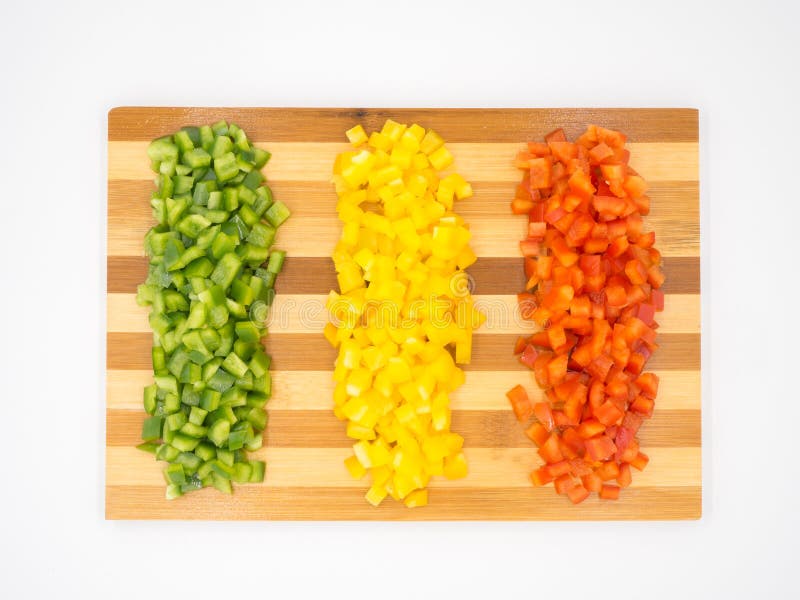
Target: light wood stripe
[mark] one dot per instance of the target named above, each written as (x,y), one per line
(496,231)
(481,429)
(489,468)
(486,161)
(483,390)
(144,123)
(306,313)
(449,504)
(315,275)
(310,352)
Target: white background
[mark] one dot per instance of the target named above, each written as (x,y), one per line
(62,65)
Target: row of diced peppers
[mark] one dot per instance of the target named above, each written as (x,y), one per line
(594,280)
(210,282)
(400,265)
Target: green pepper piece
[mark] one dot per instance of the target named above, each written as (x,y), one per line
(173,491)
(234,365)
(226,340)
(235,309)
(253,179)
(151,428)
(197,316)
(222,145)
(198,353)
(220,127)
(254,255)
(181,184)
(225,456)
(193,133)
(205,451)
(248,215)
(167,383)
(192,225)
(212,296)
(245,382)
(242,293)
(206,137)
(242,472)
(149,447)
(245,350)
(191,373)
(162,149)
(225,166)
(175,421)
(234,397)
(218,432)
(257,471)
(184,443)
(277,214)
(236,440)
(159,358)
(257,417)
(261,157)
(227,269)
(176,362)
(192,430)
(174,473)
(183,141)
(222,484)
(150,399)
(189,461)
(197,415)
(211,338)
(223,244)
(247,331)
(196,158)
(259,363)
(261,235)
(263,384)
(210,399)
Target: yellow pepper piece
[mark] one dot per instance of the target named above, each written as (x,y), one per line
(356,135)
(403,309)
(441,158)
(416,499)
(356,469)
(431,142)
(376,494)
(417,131)
(455,467)
(380,141)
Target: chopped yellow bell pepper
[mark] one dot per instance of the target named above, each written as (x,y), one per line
(356,135)
(416,499)
(403,311)
(356,469)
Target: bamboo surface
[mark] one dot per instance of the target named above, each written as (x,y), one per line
(305,444)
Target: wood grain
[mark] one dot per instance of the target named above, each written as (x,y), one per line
(304,443)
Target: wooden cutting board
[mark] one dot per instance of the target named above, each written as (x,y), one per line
(305,443)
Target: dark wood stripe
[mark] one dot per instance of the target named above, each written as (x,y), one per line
(480,428)
(455,125)
(310,351)
(255,502)
(315,275)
